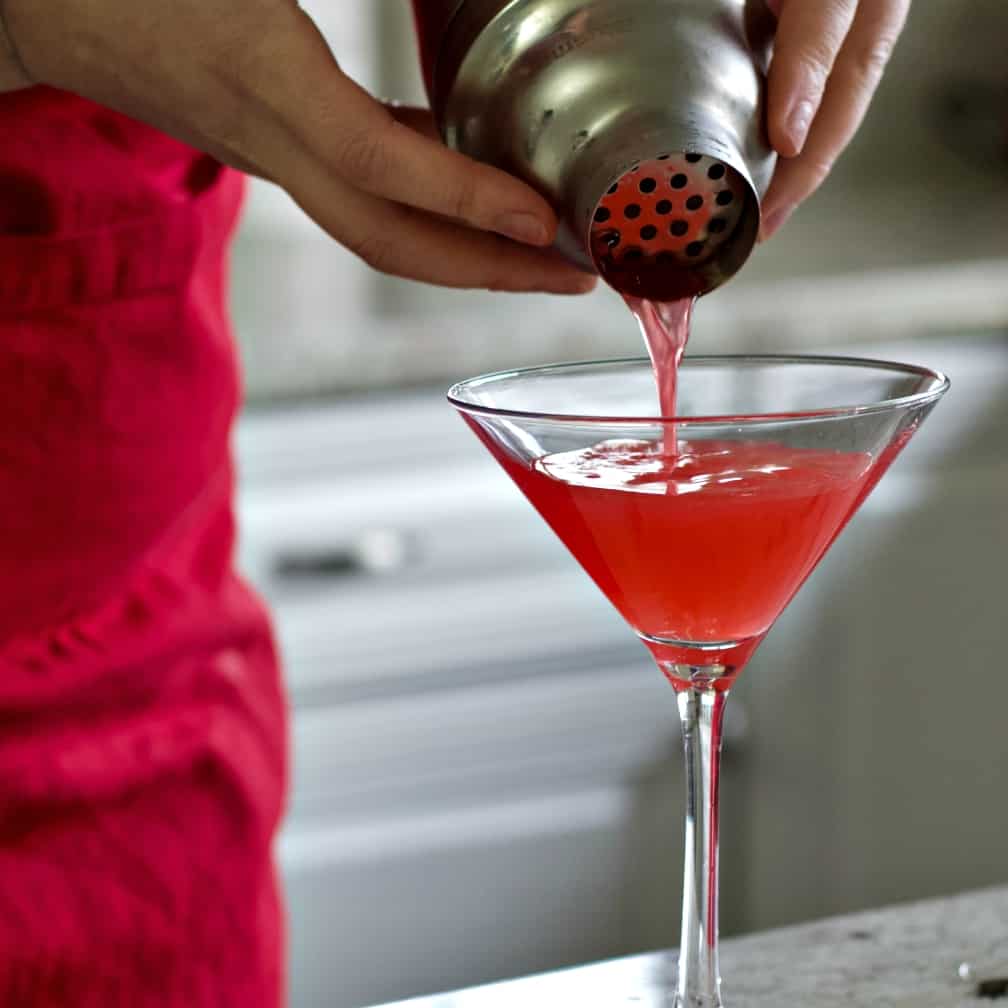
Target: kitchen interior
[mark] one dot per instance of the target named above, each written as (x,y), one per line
(487,766)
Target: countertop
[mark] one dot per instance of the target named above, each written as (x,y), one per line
(947,953)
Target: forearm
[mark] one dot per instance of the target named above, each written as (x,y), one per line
(13,75)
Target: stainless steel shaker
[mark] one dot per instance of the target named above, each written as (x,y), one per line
(641,121)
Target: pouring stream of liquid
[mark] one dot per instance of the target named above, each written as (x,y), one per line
(665,326)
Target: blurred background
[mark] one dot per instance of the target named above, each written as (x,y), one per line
(487,770)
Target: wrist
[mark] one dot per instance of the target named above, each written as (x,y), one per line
(13,74)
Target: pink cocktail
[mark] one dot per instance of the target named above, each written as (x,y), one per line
(700,527)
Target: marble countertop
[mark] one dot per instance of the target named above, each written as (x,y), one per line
(947,953)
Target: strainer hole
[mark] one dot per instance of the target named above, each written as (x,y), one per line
(663,207)
(694,249)
(648,185)
(693,158)
(633,211)
(613,188)
(663,157)
(648,232)
(725,197)
(679,228)
(716,171)
(602,215)
(633,255)
(611,239)
(694,203)
(717,225)
(678,181)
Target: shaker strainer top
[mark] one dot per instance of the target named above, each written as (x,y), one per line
(663,221)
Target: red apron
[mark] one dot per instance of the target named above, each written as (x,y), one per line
(142,721)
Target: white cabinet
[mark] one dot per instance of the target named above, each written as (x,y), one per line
(879,745)
(468,726)
(487,779)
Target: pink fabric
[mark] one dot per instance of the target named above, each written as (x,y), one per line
(142,719)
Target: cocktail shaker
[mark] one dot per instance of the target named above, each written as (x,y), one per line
(641,121)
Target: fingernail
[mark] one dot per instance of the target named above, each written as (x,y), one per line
(799,121)
(774,221)
(523,227)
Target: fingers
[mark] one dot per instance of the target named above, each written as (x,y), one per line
(405,242)
(400,164)
(852,84)
(356,137)
(378,181)
(419,119)
(422,121)
(809,36)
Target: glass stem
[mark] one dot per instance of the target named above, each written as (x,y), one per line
(701,711)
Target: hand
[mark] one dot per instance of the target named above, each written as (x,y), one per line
(253,83)
(828,60)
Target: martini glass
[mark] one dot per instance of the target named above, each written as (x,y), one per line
(700,528)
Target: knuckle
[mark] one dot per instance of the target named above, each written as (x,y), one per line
(363,156)
(817,51)
(870,60)
(817,170)
(814,65)
(465,200)
(376,250)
